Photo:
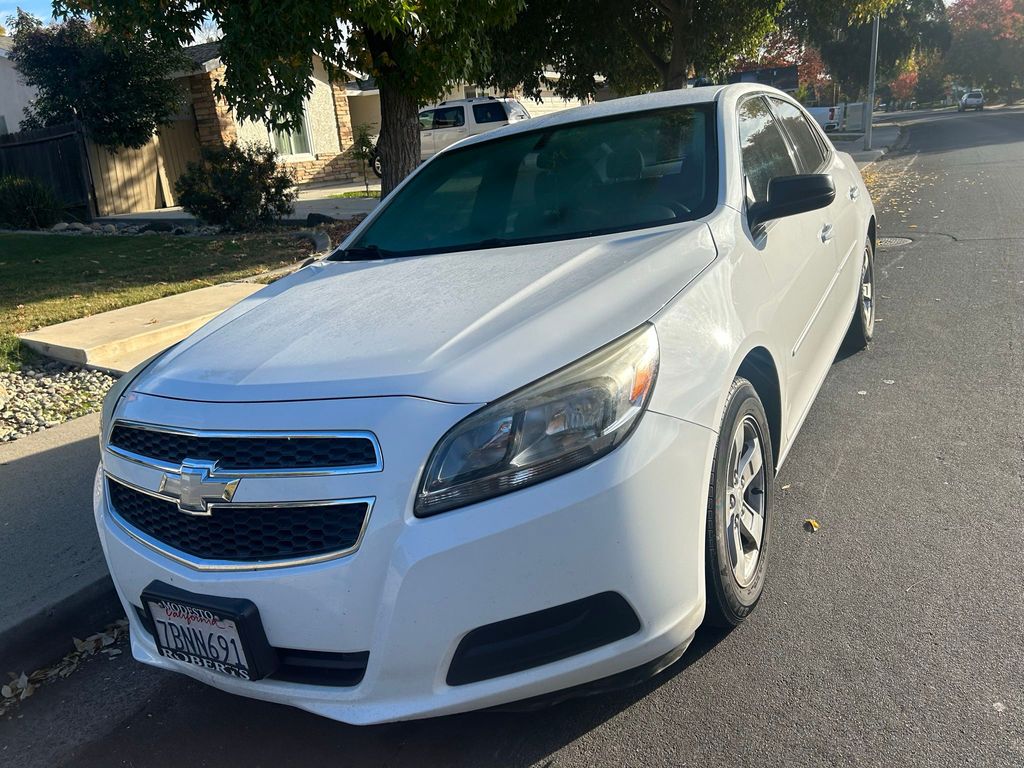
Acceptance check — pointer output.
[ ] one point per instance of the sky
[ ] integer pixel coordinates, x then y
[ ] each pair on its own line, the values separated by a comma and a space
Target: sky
41, 8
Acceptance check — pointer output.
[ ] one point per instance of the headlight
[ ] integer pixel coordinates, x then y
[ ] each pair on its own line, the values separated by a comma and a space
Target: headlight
556, 424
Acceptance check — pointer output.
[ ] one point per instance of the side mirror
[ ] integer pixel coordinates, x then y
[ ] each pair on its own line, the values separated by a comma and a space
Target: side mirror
790, 195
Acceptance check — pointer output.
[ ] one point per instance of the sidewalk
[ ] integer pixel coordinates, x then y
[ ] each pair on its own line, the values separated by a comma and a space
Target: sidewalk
883, 137
55, 580
316, 200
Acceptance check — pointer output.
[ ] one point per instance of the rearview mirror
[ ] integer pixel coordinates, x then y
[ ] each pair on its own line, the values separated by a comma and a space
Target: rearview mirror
790, 195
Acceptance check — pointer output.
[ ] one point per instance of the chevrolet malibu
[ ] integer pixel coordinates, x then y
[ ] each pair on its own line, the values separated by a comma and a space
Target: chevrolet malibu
517, 437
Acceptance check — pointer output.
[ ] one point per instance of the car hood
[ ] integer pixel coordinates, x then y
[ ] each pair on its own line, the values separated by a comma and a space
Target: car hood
462, 327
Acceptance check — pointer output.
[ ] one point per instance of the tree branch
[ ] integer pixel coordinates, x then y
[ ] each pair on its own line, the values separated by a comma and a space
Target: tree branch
645, 47
669, 8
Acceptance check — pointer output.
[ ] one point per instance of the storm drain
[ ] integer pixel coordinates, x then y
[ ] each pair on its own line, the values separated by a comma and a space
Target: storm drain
893, 242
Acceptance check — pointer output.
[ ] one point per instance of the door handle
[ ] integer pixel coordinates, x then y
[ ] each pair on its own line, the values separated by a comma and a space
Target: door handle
826, 233
854, 192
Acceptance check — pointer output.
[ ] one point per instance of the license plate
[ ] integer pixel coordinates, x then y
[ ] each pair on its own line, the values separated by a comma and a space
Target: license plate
199, 636
219, 633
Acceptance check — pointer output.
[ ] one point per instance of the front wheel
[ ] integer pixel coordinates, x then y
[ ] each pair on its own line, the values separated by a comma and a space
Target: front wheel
862, 327
739, 512
377, 166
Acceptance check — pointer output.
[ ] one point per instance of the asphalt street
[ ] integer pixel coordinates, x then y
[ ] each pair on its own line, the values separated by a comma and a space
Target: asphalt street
891, 636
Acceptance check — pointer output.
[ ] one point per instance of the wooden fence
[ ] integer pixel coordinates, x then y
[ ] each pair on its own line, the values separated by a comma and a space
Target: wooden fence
134, 180
95, 180
54, 156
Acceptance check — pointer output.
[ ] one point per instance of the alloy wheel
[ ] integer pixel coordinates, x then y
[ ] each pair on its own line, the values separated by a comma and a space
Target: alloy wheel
867, 290
745, 500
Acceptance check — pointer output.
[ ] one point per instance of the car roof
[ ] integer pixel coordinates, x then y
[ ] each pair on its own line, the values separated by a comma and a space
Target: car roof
624, 106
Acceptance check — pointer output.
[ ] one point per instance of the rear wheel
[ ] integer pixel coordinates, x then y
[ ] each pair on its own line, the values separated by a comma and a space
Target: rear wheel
739, 509
862, 327
377, 166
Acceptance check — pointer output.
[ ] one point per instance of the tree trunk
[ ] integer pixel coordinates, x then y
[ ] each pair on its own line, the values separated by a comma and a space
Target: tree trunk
399, 143
678, 68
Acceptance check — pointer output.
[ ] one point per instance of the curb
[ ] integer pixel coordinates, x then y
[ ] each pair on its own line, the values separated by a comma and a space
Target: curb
46, 636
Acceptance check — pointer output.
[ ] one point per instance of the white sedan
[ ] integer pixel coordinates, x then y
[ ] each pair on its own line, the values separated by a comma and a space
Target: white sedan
518, 435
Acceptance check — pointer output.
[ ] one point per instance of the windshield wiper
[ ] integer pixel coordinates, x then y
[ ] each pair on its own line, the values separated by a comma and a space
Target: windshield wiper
363, 253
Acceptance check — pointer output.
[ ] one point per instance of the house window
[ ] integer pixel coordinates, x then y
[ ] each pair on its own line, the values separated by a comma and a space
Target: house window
294, 141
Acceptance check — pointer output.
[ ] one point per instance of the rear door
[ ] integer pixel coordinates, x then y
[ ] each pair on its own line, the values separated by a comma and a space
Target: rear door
449, 125
843, 221
798, 255
426, 133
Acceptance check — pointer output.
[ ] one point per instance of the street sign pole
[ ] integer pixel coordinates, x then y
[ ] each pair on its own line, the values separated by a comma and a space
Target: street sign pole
871, 85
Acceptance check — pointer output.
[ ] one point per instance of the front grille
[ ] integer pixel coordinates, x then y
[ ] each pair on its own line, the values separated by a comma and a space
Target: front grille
247, 452
240, 532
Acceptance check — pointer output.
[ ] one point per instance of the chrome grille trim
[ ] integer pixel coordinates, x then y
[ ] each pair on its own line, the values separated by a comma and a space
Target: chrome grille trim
233, 565
165, 466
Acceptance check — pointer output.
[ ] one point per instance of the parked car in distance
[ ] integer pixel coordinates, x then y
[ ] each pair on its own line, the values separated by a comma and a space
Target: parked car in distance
971, 100
450, 121
466, 460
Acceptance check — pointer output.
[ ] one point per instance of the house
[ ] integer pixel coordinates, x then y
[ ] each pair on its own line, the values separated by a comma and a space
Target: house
14, 94
318, 151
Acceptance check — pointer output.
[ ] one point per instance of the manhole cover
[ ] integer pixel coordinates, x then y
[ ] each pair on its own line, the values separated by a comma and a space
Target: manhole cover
893, 242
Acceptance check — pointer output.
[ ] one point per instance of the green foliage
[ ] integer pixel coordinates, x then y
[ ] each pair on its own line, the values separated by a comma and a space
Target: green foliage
28, 204
635, 47
416, 50
988, 43
119, 86
842, 32
239, 187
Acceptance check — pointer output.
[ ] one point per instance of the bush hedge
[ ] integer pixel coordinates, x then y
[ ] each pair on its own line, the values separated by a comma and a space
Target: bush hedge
28, 204
240, 187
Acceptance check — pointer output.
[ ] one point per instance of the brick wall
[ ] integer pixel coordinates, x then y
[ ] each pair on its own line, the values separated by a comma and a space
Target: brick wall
340, 167
214, 121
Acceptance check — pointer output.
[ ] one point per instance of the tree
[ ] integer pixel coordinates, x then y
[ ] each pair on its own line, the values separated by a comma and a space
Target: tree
415, 49
988, 42
931, 77
632, 46
904, 86
841, 30
782, 48
120, 88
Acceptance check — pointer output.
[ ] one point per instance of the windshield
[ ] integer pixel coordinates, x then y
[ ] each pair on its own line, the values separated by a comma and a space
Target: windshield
607, 175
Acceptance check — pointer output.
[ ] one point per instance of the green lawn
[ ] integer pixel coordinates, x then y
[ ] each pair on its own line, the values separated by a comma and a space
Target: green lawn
374, 193
47, 279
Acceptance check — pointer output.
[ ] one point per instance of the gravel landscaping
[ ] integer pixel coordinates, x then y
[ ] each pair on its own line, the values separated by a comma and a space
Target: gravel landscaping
46, 394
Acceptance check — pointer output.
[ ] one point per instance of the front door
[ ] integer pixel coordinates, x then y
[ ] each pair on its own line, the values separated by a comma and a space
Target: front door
798, 255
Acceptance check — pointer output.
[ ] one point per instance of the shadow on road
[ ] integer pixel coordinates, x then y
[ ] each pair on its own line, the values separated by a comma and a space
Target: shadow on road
208, 727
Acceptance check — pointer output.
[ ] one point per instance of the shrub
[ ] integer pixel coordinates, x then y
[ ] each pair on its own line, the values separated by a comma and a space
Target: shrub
28, 204
238, 187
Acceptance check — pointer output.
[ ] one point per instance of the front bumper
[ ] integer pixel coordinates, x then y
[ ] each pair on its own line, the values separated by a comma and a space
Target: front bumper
632, 523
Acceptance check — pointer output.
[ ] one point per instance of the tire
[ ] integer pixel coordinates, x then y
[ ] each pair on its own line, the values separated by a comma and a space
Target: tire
862, 327
735, 551
377, 166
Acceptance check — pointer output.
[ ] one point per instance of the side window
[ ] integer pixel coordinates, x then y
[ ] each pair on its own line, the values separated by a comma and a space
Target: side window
426, 120
765, 152
489, 112
808, 150
449, 117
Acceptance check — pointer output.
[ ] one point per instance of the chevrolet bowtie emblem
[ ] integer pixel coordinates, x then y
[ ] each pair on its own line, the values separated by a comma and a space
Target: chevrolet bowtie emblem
195, 486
